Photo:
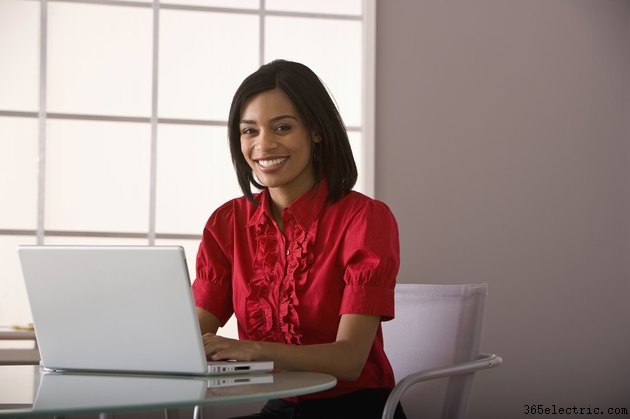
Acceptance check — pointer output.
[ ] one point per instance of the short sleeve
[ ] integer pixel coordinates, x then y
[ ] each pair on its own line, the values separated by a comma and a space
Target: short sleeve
212, 287
371, 255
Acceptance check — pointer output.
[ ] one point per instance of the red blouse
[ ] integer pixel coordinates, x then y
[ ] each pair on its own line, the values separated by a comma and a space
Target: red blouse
333, 259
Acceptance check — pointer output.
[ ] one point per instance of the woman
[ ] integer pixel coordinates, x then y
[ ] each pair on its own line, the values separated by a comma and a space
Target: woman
308, 266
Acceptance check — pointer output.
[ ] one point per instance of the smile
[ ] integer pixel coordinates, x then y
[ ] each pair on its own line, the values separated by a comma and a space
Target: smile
269, 163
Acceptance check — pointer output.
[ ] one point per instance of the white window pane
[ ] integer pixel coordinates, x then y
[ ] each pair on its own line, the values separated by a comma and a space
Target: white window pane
203, 59
190, 248
334, 53
194, 176
18, 173
232, 4
97, 176
19, 55
356, 142
14, 306
345, 7
99, 59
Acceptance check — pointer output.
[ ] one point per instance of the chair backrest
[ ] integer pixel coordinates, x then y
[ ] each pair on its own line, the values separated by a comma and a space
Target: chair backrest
435, 326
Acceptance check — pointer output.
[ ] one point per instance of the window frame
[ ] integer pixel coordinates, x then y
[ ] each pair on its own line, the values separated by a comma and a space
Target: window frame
366, 128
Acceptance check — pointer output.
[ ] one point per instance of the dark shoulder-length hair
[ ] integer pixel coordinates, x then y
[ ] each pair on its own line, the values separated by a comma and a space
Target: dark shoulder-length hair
332, 155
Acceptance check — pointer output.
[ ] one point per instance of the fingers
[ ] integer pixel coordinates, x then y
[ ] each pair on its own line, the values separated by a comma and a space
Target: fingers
220, 348
217, 347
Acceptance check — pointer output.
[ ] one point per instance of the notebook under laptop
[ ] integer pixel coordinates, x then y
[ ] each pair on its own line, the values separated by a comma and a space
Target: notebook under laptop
117, 309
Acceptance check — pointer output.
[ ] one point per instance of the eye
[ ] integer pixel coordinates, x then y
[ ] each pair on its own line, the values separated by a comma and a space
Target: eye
248, 131
283, 127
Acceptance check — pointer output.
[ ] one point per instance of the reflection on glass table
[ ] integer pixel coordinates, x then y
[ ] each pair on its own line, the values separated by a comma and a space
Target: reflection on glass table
26, 390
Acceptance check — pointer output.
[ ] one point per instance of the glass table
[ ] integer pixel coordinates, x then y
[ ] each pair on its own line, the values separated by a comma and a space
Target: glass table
26, 390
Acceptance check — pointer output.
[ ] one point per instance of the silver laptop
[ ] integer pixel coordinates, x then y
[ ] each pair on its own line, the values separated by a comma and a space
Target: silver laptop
118, 309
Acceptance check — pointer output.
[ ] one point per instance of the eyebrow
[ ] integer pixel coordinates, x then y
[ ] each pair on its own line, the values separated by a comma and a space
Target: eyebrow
274, 119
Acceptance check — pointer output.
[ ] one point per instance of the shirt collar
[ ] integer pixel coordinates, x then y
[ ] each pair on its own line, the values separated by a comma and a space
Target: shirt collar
304, 209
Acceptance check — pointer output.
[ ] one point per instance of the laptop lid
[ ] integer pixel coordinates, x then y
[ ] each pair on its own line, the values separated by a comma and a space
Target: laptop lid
116, 308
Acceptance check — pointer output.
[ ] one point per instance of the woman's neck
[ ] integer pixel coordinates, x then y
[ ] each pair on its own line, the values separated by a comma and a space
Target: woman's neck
276, 212
281, 198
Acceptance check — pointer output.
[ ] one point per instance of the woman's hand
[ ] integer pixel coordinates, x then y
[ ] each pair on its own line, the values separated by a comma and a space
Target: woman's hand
220, 348
344, 358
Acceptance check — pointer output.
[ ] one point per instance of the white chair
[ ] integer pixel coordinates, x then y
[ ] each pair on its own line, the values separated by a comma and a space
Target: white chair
436, 334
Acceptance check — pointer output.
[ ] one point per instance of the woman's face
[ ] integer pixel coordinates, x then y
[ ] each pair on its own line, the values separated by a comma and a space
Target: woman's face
277, 145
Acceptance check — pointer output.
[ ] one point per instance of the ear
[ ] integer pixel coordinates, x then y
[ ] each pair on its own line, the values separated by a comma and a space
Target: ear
316, 138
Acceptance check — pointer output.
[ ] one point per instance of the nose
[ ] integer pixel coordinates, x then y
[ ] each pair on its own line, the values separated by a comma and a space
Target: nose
265, 140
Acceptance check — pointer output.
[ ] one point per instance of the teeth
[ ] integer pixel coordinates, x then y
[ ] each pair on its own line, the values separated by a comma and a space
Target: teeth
269, 163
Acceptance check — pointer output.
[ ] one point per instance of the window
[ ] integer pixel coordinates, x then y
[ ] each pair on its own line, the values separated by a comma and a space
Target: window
113, 114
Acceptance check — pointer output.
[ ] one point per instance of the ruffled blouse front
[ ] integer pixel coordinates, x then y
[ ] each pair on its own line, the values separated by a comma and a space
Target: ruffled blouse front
271, 315
292, 287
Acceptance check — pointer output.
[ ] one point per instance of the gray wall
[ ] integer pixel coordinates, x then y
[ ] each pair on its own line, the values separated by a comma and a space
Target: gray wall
503, 148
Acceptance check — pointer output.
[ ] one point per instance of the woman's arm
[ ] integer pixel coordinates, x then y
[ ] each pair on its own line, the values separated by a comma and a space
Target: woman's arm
208, 322
343, 358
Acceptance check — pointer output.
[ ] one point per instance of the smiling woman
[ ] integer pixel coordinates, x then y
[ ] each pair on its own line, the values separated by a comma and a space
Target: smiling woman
293, 93
278, 147
308, 265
